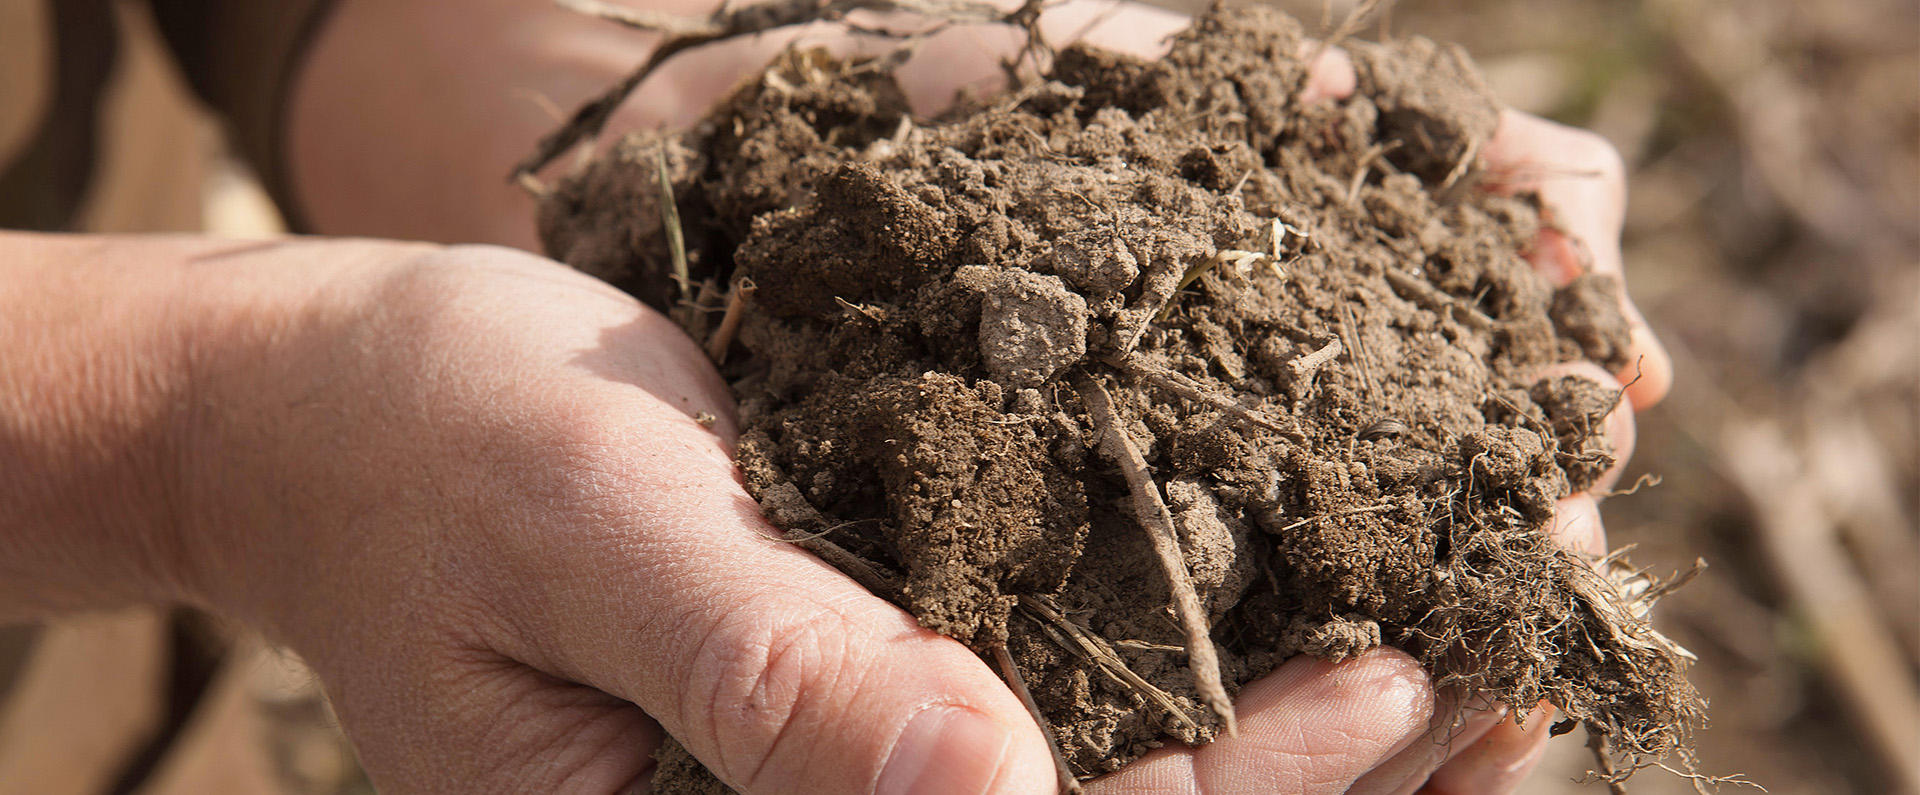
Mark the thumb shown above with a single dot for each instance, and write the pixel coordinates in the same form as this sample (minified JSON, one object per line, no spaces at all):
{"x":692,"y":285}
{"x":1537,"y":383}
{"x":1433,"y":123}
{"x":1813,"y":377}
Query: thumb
{"x":476,"y":722}
{"x":779,"y":673}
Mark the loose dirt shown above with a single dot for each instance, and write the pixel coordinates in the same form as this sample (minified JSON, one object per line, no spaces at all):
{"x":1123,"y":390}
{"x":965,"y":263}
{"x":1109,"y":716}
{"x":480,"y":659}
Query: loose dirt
{"x":988,"y":357}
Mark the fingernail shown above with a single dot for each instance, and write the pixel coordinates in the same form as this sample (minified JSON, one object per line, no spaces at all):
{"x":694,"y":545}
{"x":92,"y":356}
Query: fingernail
{"x":945,"y":751}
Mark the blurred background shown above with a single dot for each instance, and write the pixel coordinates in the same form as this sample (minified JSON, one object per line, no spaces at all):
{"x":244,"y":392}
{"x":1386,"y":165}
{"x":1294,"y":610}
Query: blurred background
{"x":1772,"y":238}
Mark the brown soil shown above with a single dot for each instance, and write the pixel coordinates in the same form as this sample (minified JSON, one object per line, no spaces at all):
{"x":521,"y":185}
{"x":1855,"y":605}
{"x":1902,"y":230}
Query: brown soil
{"x":1316,"y":332}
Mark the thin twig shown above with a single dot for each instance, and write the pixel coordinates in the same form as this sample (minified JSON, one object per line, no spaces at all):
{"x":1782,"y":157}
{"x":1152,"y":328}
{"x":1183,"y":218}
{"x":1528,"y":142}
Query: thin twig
{"x":1068,"y":783}
{"x":1348,"y":26}
{"x":789,"y":508}
{"x":1152,"y":514}
{"x":1304,"y":367}
{"x":1338,"y":514}
{"x":1366,"y":167}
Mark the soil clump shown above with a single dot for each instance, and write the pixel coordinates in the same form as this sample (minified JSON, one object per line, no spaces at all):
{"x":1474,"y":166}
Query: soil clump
{"x":1308,"y":327}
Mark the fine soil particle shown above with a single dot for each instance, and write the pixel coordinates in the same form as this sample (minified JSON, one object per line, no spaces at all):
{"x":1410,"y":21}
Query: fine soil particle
{"x":1316,"y":330}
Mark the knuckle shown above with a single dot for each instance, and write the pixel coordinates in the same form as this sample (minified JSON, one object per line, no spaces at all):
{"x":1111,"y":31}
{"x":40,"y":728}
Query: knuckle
{"x":755,"y":685}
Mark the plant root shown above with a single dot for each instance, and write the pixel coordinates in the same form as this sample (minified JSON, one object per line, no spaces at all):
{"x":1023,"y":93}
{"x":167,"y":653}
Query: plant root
{"x":1152,"y":514}
{"x":722,"y":338}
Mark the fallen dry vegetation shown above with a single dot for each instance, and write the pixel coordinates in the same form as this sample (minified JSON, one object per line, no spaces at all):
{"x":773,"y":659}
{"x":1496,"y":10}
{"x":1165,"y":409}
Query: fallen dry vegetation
{"x":1143,"y":377}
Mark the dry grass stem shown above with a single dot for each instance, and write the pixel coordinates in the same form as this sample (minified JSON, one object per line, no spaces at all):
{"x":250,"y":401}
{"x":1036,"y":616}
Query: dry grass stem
{"x":670,"y":222}
{"x":1100,"y":652}
{"x":1152,"y":514}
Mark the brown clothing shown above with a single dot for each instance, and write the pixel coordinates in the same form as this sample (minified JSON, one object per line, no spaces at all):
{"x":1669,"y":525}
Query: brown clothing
{"x":239,"y":56}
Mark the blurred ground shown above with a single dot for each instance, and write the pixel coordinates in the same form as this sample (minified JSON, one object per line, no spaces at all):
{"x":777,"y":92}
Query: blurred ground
{"x":1773,"y":238}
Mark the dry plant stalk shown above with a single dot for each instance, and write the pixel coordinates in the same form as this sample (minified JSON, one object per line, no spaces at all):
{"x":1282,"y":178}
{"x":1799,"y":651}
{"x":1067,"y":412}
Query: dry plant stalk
{"x":1151,"y":512}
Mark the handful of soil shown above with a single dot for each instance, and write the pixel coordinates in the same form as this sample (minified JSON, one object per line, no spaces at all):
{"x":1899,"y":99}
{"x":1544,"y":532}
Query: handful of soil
{"x":1144,"y":377}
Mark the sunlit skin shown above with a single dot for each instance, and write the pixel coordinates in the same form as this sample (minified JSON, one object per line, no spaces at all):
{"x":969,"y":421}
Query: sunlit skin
{"x":466,"y":483}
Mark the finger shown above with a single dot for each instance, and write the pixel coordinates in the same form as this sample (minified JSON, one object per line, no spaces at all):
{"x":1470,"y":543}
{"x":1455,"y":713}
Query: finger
{"x":776,"y":671}
{"x":483,"y":723}
{"x":1582,"y":185}
{"x":1577,"y":526}
{"x":1499,"y":762}
{"x":1449,"y":732}
{"x":1330,"y":76}
{"x":1309,"y":727}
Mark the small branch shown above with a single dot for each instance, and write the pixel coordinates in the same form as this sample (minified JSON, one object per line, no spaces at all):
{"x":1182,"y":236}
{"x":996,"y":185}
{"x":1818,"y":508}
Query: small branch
{"x":722,"y":338}
{"x":1068,"y":783}
{"x":1152,"y":514}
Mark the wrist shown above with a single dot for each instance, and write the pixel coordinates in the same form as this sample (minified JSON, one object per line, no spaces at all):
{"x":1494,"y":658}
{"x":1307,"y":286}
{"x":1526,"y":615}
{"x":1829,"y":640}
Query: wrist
{"x":93,"y":386}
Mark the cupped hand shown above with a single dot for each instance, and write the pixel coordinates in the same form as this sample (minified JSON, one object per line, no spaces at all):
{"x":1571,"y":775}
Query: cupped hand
{"x":474,"y":489}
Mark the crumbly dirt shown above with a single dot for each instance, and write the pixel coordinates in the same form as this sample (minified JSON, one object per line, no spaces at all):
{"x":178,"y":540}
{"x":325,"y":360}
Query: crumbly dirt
{"x":1316,"y":329}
